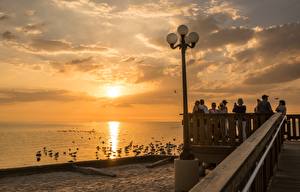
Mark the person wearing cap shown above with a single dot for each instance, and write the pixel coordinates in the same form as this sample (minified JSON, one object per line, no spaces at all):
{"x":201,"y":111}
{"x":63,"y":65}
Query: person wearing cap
{"x":222,"y":107}
{"x":264,"y":105}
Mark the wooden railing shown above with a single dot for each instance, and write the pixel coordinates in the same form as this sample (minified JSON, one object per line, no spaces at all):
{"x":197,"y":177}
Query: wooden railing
{"x":223,"y":129}
{"x":292,"y":128}
{"x":254,"y":160}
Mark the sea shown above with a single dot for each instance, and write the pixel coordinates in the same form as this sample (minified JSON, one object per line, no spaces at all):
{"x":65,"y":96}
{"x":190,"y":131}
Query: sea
{"x":31,"y":144}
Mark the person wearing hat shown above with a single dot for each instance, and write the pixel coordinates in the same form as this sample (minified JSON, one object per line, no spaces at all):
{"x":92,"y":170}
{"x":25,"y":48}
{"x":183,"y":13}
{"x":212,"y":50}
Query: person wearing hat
{"x":264,"y":105}
{"x":222,"y":107}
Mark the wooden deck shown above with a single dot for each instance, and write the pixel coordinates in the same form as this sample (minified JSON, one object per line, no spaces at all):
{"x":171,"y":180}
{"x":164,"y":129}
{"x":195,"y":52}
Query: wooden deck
{"x":287,"y":176}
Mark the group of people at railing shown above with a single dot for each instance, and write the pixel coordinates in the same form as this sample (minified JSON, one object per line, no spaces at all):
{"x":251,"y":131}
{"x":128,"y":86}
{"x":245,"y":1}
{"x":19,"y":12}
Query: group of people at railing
{"x":263,"y":106}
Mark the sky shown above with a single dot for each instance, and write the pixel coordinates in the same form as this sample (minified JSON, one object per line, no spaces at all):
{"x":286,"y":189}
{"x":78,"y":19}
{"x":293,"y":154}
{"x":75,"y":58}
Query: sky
{"x":93,"y":60}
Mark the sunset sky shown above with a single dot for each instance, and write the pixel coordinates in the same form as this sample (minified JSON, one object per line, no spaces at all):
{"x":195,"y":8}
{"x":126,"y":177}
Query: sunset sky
{"x":92,"y":60}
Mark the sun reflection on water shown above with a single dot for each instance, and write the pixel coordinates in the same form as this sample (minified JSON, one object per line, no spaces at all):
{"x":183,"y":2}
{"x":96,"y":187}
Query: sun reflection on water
{"x":114,"y":135}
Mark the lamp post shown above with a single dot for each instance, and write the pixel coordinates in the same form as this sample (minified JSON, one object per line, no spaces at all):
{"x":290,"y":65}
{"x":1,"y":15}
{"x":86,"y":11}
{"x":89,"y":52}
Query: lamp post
{"x":186,"y":40}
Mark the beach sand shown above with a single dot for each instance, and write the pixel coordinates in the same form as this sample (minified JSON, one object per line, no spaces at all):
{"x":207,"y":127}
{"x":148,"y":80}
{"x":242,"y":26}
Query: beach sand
{"x":134,"y":177}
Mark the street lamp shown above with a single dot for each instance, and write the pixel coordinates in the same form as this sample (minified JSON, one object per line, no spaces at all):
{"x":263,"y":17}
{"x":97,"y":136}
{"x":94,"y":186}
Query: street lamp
{"x":186,"y":40}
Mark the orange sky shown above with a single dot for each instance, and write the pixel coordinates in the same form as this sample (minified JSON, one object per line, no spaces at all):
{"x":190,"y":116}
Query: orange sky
{"x":61,"y":60}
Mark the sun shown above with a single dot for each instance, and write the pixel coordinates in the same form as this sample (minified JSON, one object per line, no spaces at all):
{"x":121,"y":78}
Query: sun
{"x":113,"y":91}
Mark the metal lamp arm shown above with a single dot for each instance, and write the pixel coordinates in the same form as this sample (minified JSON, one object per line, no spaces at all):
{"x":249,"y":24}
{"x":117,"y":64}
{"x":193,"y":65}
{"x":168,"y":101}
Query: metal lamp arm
{"x":192,"y":45}
{"x":174,"y":46}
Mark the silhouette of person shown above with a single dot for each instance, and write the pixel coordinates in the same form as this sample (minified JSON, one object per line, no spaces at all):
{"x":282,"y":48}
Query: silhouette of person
{"x":264,"y":105}
{"x":281,"y":108}
{"x":196,"y":107}
{"x":202,"y":107}
{"x":213,"y":108}
{"x":222,"y":107}
{"x":240,"y":107}
{"x":256,"y":109}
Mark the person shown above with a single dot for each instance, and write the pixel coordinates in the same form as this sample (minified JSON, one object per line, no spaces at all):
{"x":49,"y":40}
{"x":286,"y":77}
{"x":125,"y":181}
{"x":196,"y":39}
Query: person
{"x":264,"y":105}
{"x":196,"y":107}
{"x":213,"y":108}
{"x":281,"y":108}
{"x":222,"y":107}
{"x":240,"y":107}
{"x":202,"y":107}
{"x":256,"y":109}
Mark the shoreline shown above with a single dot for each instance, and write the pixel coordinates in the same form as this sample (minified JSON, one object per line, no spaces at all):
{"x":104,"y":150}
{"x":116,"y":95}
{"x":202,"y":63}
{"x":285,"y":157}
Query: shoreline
{"x":30,"y":170}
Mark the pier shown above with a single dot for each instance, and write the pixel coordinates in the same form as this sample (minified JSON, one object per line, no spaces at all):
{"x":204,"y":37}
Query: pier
{"x":253,"y":152}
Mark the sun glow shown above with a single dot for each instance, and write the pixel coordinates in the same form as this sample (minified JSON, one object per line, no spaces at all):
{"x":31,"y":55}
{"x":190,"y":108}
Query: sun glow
{"x":113,"y":91}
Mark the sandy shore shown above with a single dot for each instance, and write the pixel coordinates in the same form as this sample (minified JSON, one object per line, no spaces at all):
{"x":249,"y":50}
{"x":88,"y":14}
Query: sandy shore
{"x":134,"y":177}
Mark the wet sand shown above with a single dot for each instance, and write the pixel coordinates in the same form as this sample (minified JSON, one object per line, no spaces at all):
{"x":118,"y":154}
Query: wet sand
{"x":133,"y":177}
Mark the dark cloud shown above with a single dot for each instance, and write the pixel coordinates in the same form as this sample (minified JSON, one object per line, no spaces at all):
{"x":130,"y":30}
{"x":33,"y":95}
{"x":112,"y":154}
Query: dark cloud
{"x":61,"y":45}
{"x":274,"y":43}
{"x":266,"y":13}
{"x":50,"y":45}
{"x":203,"y":24}
{"x":150,"y":69}
{"x":277,"y":39}
{"x":129,"y":59}
{"x":3,"y":16}
{"x":8,"y":96}
{"x":7,"y":35}
{"x":227,"y":36}
{"x":149,"y":72}
{"x":81,"y":64}
{"x":277,"y":74}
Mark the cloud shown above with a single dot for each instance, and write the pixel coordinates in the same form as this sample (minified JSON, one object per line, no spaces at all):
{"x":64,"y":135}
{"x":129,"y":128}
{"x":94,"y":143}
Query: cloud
{"x":8,"y":96}
{"x":273,"y":44}
{"x":30,"y":12}
{"x":3,"y":16}
{"x":88,"y":7}
{"x":277,"y":74}
{"x":54,"y":47}
{"x":62,"y":46}
{"x":161,"y":96}
{"x":81,"y":64}
{"x":226,"y":36}
{"x":32,"y":29}
{"x":225,"y":7}
{"x":7,"y":35}
{"x":151,"y":69}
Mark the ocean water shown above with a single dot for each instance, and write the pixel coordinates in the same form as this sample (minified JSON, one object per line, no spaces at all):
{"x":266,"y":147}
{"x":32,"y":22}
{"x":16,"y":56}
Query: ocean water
{"x":38,"y":144}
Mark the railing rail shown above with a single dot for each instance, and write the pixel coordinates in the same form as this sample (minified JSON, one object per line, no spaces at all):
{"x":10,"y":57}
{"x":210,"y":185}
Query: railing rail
{"x":235,"y":170}
{"x":262,"y":159}
{"x":292,"y":127}
{"x":224,"y":129}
